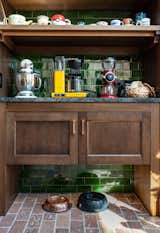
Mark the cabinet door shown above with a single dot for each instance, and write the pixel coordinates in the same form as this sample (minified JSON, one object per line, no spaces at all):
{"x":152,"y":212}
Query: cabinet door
{"x":42,"y":138}
{"x":117,"y":137}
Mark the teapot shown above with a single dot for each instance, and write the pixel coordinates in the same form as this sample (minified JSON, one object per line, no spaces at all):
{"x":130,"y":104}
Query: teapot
{"x":60,"y":20}
{"x":140,"y":90}
{"x":17,"y":19}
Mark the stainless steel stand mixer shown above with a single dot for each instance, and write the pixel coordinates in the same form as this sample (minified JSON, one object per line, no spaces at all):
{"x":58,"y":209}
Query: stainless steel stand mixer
{"x":26,"y":80}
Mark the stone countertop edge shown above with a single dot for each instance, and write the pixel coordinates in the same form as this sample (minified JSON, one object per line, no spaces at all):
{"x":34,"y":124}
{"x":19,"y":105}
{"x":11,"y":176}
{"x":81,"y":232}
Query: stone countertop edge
{"x":78,"y":100}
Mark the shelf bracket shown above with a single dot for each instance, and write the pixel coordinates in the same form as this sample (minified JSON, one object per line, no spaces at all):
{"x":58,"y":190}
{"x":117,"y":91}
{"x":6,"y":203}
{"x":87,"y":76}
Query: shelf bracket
{"x":156,"y":40}
{"x":157,"y":37}
{"x":7,"y":42}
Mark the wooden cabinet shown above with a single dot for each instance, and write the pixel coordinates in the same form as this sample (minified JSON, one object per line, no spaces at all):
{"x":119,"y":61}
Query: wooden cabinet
{"x":117,"y":134}
{"x":118,"y":137}
{"x":42,"y":138}
{"x":115,"y":137}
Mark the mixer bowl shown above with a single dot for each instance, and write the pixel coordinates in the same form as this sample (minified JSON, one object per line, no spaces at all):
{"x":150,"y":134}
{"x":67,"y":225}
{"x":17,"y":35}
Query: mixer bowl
{"x":25,"y":81}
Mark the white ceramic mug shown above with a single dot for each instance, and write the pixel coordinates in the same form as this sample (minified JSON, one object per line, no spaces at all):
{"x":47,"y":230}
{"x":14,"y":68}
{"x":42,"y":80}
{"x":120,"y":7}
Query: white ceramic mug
{"x":43,"y":20}
{"x":17,"y":19}
{"x":102,"y":23}
{"x":61,"y":22}
{"x":116,"y":22}
{"x":144,"y":22}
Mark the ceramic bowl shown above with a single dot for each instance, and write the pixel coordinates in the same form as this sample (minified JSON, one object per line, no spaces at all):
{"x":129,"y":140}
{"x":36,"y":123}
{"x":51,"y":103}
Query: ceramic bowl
{"x":92,"y":202}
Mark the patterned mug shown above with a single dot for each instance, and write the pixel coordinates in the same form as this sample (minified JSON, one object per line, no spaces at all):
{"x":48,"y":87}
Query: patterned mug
{"x":127,"y":21}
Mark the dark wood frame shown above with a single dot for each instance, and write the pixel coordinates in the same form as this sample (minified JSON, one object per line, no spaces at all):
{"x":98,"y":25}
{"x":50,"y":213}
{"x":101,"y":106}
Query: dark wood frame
{"x":147,"y":177}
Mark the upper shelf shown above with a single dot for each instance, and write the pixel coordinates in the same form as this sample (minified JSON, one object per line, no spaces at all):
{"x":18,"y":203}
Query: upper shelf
{"x":76,"y":5}
{"x":74,"y":39}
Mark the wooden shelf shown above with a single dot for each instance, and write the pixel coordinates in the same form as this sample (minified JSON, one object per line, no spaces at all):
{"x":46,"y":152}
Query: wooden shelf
{"x":77,"y":5}
{"x":73,"y":39}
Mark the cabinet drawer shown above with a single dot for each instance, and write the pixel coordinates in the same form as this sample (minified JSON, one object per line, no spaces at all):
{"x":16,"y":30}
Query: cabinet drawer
{"x":42,"y":138}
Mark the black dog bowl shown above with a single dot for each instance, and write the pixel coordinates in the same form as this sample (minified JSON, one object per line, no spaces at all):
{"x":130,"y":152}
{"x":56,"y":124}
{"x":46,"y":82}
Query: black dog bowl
{"x":92,"y":202}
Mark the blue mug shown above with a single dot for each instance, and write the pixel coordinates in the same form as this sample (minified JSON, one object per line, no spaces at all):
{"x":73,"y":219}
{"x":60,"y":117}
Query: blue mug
{"x":116,"y":22}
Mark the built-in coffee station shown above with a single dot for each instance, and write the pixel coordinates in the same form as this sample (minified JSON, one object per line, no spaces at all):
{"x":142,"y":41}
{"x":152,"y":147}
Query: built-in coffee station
{"x":80,"y":89}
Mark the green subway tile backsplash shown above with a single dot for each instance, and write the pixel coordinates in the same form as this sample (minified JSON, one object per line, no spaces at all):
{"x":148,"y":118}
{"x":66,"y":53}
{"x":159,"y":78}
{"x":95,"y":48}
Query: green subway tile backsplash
{"x":127,"y":69}
{"x":78,"y":178}
{"x":86,"y":15}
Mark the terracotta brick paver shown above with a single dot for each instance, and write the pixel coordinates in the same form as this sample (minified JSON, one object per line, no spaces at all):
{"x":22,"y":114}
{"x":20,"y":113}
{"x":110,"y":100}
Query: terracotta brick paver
{"x":23,"y":214}
{"x":31,"y":230}
{"x":91,"y":221}
{"x":4,"y":230}
{"x":18,"y":227}
{"x":62,"y":231}
{"x":20,"y":197}
{"x":49,"y":216}
{"x":47,"y":226}
{"x":38,"y":209}
{"x":7,"y":220}
{"x":126,"y":214}
{"x":92,"y":230}
{"x":76,"y":214}
{"x":77,"y":226}
{"x":63,"y":220}
{"x":14,"y":208}
{"x":35,"y":221}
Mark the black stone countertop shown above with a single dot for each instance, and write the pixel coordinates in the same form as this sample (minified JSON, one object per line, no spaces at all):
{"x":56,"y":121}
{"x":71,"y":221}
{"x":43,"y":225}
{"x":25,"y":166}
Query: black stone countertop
{"x":78,"y":100}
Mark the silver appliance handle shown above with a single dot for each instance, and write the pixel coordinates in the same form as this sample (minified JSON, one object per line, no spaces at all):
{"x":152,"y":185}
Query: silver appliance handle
{"x":36,"y":76}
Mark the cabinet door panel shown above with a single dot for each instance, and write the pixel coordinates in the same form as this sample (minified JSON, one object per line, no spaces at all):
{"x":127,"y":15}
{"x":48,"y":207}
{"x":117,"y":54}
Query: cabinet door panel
{"x":118,"y":137}
{"x":42,"y":138}
{"x":109,"y":138}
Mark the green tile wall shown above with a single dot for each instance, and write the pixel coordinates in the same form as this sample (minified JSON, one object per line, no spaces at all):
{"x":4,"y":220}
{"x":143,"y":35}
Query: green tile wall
{"x":80,"y":178}
{"x":75,"y":16}
{"x":129,"y":68}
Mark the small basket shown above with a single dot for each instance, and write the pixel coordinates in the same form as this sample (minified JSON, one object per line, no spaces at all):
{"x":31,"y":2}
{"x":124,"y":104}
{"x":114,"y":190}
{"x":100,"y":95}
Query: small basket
{"x":142,"y":92}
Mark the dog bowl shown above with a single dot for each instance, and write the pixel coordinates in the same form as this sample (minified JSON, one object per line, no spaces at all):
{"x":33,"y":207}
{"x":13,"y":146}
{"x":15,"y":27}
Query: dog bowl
{"x":56,"y":204}
{"x":92,"y":202}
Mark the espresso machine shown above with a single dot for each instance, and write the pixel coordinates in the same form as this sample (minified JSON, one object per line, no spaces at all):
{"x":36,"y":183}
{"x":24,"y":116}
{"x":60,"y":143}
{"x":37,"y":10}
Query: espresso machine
{"x":108,"y":81}
{"x":26,"y":80}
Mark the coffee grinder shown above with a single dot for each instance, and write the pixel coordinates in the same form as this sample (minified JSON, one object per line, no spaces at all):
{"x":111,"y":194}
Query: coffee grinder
{"x":108,"y":80}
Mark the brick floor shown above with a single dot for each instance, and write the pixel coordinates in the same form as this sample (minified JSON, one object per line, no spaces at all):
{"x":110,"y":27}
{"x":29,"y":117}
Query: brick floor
{"x":126,"y":214}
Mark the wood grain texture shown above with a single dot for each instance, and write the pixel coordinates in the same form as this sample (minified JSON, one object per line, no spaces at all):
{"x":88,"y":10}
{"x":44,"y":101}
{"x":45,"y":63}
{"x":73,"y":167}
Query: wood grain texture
{"x":74,"y":5}
{"x":154,"y":11}
{"x":122,"y":137}
{"x":76,"y":50}
{"x":8,"y":175}
{"x":34,"y":38}
{"x":35,"y":138}
{"x":78,"y":107}
{"x":12,"y":174}
{"x":2,"y":157}
{"x":147,"y":179}
{"x":5,"y":58}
